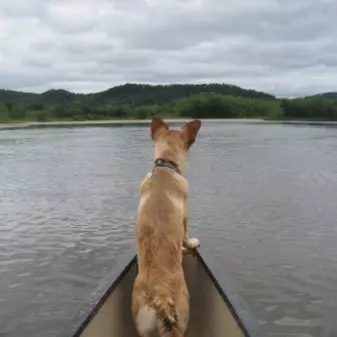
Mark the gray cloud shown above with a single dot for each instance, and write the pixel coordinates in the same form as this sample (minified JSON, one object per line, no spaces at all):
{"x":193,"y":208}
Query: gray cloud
{"x":287,"y":47}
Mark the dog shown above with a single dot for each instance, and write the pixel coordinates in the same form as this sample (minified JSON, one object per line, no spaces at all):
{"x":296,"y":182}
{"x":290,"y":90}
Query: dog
{"x":160,"y":298}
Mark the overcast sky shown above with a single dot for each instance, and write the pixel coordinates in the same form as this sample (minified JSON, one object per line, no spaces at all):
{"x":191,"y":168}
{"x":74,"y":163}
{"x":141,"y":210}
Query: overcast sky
{"x":285,"y":47}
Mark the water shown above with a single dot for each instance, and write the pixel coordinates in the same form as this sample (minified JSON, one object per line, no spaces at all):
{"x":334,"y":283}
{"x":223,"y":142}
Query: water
{"x":263,"y":199}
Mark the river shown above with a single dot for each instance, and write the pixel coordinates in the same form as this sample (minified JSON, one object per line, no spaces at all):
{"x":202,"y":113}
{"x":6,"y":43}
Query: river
{"x":263,"y":199}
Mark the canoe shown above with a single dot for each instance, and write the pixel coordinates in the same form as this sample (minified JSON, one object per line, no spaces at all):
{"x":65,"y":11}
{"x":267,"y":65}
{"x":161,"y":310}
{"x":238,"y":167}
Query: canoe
{"x":216,"y":309}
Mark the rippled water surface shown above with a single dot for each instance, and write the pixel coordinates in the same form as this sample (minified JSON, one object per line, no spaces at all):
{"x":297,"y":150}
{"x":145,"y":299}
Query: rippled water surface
{"x":263,"y":198}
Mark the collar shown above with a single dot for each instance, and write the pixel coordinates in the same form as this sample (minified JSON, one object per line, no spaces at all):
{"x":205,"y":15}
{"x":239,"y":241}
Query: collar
{"x":167,"y":163}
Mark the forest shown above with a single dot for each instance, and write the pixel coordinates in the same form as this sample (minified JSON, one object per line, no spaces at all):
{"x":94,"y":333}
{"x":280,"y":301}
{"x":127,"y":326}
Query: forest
{"x":140,"y":101}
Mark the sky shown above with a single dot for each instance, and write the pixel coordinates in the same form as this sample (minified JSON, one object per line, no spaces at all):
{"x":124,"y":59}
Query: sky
{"x":287,"y":47}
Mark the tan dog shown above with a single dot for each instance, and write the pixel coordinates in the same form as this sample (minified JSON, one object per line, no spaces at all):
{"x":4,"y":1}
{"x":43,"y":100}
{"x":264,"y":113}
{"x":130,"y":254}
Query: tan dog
{"x":160,"y":299}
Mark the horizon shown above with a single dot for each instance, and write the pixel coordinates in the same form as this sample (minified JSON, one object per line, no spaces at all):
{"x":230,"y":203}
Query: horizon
{"x":160,"y":84}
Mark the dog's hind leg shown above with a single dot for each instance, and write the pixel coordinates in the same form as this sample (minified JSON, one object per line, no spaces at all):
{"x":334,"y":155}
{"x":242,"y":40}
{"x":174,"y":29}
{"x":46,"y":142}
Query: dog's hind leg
{"x":144,"y":317}
{"x":182,"y":313}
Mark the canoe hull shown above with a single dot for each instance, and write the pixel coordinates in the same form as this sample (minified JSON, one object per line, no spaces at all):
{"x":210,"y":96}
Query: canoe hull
{"x":214,"y":311}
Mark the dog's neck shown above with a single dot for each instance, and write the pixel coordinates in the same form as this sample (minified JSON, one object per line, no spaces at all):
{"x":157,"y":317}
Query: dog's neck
{"x":161,"y":162}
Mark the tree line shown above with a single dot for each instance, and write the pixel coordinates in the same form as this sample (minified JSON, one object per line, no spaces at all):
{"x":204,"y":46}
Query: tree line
{"x":144,"y":101}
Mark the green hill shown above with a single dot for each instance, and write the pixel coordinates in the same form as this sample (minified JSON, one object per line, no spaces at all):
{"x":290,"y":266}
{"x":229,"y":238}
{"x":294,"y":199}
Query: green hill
{"x":176,"y":100}
{"x":326,"y":95}
{"x":134,"y":94}
{"x":56,"y":97}
{"x":10,"y":95}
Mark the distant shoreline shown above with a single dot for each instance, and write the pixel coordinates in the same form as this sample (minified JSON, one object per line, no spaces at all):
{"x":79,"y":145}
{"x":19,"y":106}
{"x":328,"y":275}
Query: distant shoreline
{"x":138,"y":122}
{"x":113,"y":122}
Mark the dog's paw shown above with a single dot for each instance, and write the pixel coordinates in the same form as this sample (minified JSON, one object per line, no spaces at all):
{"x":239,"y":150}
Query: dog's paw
{"x":193,"y":243}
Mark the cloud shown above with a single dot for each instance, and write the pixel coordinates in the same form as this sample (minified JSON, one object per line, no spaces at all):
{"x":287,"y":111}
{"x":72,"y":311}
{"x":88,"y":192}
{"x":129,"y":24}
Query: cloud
{"x":286,"y":48}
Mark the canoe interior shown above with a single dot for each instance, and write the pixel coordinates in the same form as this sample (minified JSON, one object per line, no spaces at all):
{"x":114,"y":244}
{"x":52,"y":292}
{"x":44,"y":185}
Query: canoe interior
{"x":210,"y":315}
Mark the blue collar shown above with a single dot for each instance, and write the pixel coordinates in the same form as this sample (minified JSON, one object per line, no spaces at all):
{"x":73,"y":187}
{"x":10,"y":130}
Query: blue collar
{"x":167,"y":163}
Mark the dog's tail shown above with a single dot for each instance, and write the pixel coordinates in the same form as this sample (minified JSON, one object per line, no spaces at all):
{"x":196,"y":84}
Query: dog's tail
{"x":167,"y":315}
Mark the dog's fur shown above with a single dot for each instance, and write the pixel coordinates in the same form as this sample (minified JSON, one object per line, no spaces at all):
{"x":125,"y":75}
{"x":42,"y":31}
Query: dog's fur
{"x":160,"y":298}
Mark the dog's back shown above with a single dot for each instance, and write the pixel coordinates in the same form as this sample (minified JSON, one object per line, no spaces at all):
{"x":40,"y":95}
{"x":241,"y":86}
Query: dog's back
{"x":159,"y":222}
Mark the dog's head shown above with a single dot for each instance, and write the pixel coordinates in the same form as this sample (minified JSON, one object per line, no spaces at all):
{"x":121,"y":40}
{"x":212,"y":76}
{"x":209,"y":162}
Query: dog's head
{"x":173,"y":145}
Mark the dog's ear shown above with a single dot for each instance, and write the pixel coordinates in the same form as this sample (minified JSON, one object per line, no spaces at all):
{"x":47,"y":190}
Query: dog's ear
{"x":158,"y":126}
{"x":190,"y":131}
